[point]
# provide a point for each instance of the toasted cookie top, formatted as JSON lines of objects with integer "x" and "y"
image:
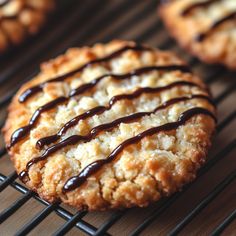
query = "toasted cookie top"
{"x": 110, "y": 126}
{"x": 206, "y": 28}
{"x": 20, "y": 18}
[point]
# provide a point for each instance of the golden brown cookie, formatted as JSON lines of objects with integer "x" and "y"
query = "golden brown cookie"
{"x": 21, "y": 18}
{"x": 205, "y": 28}
{"x": 110, "y": 126}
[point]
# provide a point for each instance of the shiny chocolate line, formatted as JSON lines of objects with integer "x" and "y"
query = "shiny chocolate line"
{"x": 11, "y": 17}
{"x": 200, "y": 37}
{"x": 74, "y": 139}
{"x": 76, "y": 181}
{"x": 192, "y": 7}
{"x": 37, "y": 88}
{"x": 100, "y": 109}
{"x": 23, "y": 131}
{"x": 84, "y": 87}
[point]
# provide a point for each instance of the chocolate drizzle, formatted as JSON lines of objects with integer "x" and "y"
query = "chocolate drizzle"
{"x": 100, "y": 109}
{"x": 194, "y": 6}
{"x": 200, "y": 37}
{"x": 23, "y": 131}
{"x": 74, "y": 139}
{"x": 77, "y": 181}
{"x": 35, "y": 89}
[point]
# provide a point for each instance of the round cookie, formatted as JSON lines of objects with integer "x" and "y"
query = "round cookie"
{"x": 205, "y": 28}
{"x": 21, "y": 18}
{"x": 110, "y": 126}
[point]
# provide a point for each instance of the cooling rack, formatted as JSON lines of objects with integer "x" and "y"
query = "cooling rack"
{"x": 205, "y": 207}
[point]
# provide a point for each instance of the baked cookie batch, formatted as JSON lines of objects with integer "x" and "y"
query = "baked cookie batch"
{"x": 119, "y": 125}
{"x": 20, "y": 19}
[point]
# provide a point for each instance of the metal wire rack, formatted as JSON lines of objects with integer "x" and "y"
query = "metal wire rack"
{"x": 205, "y": 207}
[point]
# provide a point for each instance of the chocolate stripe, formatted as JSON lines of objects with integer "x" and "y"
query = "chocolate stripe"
{"x": 77, "y": 181}
{"x": 100, "y": 109}
{"x": 35, "y": 89}
{"x": 74, "y": 139}
{"x": 200, "y": 37}
{"x": 23, "y": 131}
{"x": 194, "y": 6}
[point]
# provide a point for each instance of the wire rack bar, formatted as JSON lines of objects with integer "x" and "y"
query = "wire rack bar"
{"x": 111, "y": 221}
{"x": 70, "y": 224}
{"x": 225, "y": 94}
{"x": 12, "y": 177}
{"x": 142, "y": 13}
{"x": 226, "y": 121}
{"x": 101, "y": 20}
{"x": 206, "y": 200}
{"x": 63, "y": 213}
{"x": 36, "y": 220}
{"x": 15, "y": 206}
{"x": 226, "y": 222}
{"x": 149, "y": 32}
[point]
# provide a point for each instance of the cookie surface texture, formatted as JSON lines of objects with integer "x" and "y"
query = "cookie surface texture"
{"x": 204, "y": 28}
{"x": 115, "y": 125}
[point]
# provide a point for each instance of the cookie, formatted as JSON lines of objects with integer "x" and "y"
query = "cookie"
{"x": 115, "y": 125}
{"x": 21, "y": 18}
{"x": 205, "y": 28}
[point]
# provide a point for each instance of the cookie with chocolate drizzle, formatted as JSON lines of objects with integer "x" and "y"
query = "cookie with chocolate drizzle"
{"x": 115, "y": 125}
{"x": 205, "y": 28}
{"x": 20, "y": 19}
